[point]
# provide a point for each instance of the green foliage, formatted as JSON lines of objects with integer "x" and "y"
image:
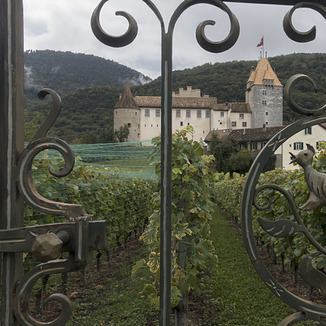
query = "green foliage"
{"x": 223, "y": 151}
{"x": 192, "y": 251}
{"x": 228, "y": 193}
{"x": 122, "y": 133}
{"x": 240, "y": 162}
{"x": 86, "y": 111}
{"x": 124, "y": 203}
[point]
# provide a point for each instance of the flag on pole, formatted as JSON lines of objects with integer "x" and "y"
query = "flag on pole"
{"x": 261, "y": 43}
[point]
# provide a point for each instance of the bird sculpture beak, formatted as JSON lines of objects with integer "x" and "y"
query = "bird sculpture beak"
{"x": 293, "y": 158}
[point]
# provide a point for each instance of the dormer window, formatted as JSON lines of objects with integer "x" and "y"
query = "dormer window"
{"x": 308, "y": 131}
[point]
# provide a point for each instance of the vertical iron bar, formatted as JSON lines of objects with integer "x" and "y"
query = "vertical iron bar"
{"x": 11, "y": 142}
{"x": 166, "y": 181}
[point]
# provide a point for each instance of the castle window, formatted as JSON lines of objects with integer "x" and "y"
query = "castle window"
{"x": 266, "y": 123}
{"x": 157, "y": 113}
{"x": 181, "y": 123}
{"x": 188, "y": 113}
{"x": 253, "y": 146}
{"x": 178, "y": 113}
{"x": 234, "y": 124}
{"x": 266, "y": 113}
{"x": 244, "y": 124}
{"x": 298, "y": 146}
{"x": 241, "y": 115}
{"x": 129, "y": 124}
{"x": 198, "y": 113}
{"x": 208, "y": 113}
{"x": 147, "y": 113}
{"x": 264, "y": 92}
{"x": 221, "y": 114}
{"x": 264, "y": 102}
{"x": 308, "y": 131}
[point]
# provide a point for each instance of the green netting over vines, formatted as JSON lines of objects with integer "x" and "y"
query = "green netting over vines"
{"x": 127, "y": 159}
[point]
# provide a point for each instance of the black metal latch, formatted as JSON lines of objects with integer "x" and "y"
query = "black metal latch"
{"x": 47, "y": 243}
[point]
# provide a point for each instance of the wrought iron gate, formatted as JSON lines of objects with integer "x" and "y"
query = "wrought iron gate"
{"x": 46, "y": 242}
{"x": 16, "y": 182}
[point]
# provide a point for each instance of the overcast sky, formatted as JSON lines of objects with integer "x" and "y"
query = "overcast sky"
{"x": 65, "y": 25}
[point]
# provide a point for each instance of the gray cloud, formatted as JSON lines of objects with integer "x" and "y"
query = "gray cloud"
{"x": 65, "y": 25}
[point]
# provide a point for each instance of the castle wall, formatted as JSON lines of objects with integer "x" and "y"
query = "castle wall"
{"x": 131, "y": 117}
{"x": 199, "y": 119}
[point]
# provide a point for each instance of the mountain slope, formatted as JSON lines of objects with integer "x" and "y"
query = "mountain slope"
{"x": 65, "y": 72}
{"x": 227, "y": 81}
{"x": 91, "y": 109}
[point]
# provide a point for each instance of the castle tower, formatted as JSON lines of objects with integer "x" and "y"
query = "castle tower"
{"x": 126, "y": 111}
{"x": 264, "y": 94}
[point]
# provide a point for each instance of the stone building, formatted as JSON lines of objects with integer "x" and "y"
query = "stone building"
{"x": 264, "y": 94}
{"x": 263, "y": 107}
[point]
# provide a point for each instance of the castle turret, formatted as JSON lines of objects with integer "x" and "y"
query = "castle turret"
{"x": 264, "y": 94}
{"x": 126, "y": 111}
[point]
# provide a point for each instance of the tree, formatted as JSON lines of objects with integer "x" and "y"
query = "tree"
{"x": 88, "y": 138}
{"x": 107, "y": 135}
{"x": 222, "y": 151}
{"x": 192, "y": 251}
{"x": 122, "y": 133}
{"x": 240, "y": 161}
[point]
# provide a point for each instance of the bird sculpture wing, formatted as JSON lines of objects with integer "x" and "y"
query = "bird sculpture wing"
{"x": 312, "y": 203}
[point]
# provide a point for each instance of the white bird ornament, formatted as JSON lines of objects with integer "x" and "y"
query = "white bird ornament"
{"x": 316, "y": 181}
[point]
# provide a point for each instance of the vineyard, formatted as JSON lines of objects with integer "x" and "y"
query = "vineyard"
{"x": 288, "y": 251}
{"x": 129, "y": 206}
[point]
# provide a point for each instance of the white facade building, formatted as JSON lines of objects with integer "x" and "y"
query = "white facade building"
{"x": 263, "y": 107}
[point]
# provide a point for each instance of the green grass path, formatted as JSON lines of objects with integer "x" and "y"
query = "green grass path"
{"x": 240, "y": 295}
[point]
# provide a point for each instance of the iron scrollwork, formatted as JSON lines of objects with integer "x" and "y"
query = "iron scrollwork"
{"x": 307, "y": 309}
{"x": 166, "y": 108}
{"x": 285, "y": 227}
{"x": 47, "y": 242}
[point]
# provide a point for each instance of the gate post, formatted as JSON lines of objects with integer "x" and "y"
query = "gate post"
{"x": 12, "y": 142}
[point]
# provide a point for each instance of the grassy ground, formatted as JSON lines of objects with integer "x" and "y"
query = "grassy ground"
{"x": 242, "y": 298}
{"x": 233, "y": 295}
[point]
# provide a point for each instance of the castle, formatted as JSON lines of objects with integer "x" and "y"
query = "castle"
{"x": 263, "y": 107}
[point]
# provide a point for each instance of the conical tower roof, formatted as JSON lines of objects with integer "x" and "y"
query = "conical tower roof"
{"x": 263, "y": 72}
{"x": 126, "y": 101}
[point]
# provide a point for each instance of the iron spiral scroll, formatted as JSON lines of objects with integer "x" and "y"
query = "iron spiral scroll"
{"x": 307, "y": 310}
{"x": 47, "y": 242}
{"x": 166, "y": 111}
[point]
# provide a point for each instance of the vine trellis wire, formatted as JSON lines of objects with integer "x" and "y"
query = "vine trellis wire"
{"x": 306, "y": 310}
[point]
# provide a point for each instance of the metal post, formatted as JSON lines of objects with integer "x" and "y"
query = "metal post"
{"x": 12, "y": 142}
{"x": 166, "y": 181}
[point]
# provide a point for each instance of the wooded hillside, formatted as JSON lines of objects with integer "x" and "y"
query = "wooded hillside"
{"x": 89, "y": 107}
